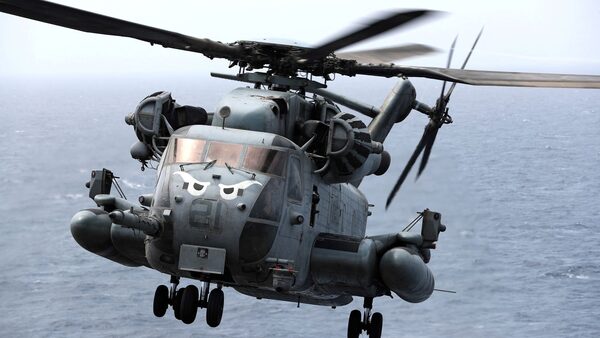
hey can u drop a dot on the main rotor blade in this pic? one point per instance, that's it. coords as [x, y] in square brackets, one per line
[483, 77]
[409, 164]
[387, 55]
[78, 19]
[372, 29]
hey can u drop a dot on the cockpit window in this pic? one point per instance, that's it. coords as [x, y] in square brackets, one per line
[265, 160]
[188, 150]
[224, 153]
[256, 159]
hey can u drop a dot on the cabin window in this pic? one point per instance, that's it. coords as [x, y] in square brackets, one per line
[265, 160]
[295, 180]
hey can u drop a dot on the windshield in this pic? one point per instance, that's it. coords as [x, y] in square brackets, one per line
[188, 150]
[224, 153]
[265, 160]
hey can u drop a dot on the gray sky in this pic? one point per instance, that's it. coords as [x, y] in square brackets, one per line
[550, 36]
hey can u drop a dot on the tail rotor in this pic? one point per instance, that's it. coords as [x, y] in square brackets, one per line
[438, 116]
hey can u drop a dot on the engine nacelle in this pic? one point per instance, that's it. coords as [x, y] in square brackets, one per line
[154, 120]
[93, 230]
[345, 148]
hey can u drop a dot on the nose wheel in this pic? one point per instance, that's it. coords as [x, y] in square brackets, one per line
[214, 308]
[372, 324]
[189, 304]
[186, 301]
[161, 301]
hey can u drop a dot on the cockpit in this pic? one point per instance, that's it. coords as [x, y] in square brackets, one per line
[226, 182]
[250, 158]
[219, 164]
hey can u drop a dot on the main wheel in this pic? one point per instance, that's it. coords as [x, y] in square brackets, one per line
[376, 325]
[161, 300]
[189, 304]
[177, 303]
[214, 308]
[354, 324]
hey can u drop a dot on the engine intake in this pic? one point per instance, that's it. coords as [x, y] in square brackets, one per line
[154, 120]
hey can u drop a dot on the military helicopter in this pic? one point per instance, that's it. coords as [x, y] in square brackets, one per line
[262, 195]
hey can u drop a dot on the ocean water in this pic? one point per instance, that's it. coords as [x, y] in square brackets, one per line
[515, 177]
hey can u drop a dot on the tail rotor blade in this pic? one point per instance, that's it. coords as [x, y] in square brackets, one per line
[434, 123]
[464, 63]
[428, 138]
[427, 150]
[409, 164]
[448, 66]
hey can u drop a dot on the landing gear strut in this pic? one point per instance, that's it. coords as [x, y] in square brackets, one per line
[187, 300]
[372, 324]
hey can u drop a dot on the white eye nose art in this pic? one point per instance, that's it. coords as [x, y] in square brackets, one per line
[192, 185]
[229, 192]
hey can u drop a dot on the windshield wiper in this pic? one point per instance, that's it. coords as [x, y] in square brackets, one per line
[230, 168]
[207, 164]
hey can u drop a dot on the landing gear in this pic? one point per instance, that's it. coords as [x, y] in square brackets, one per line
[375, 325]
[187, 300]
[214, 308]
[177, 303]
[372, 324]
[354, 324]
[161, 301]
[189, 304]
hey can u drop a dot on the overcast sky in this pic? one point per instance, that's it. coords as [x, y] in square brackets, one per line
[551, 36]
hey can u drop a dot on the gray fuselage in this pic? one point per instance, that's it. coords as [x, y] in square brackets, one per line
[263, 210]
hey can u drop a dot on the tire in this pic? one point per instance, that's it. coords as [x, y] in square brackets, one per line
[354, 324]
[177, 303]
[376, 325]
[214, 308]
[189, 304]
[161, 301]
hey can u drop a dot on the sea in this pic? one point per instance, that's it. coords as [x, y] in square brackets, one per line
[516, 178]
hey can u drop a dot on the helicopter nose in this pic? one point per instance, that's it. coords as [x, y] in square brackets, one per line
[214, 201]
[209, 211]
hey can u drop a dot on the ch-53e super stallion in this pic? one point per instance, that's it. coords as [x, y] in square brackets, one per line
[262, 195]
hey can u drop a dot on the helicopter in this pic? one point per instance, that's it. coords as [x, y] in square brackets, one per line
[262, 194]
